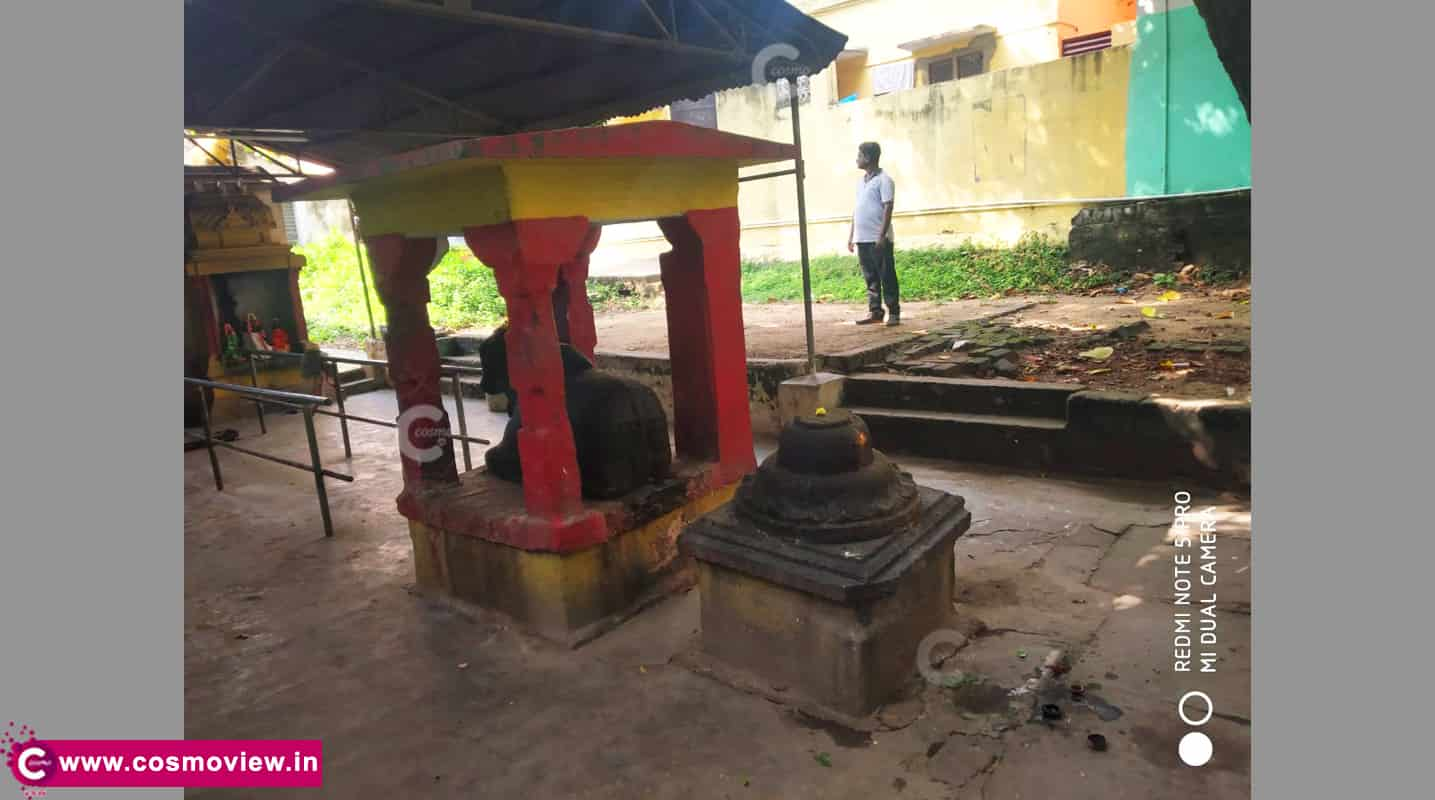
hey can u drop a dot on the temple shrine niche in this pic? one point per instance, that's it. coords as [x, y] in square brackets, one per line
[241, 287]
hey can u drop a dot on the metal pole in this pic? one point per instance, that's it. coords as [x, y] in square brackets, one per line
[802, 226]
[258, 404]
[209, 440]
[776, 174]
[363, 279]
[343, 420]
[318, 470]
[462, 422]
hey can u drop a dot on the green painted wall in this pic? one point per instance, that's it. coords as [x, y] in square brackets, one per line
[1186, 129]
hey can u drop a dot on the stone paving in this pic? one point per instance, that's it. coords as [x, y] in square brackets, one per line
[290, 635]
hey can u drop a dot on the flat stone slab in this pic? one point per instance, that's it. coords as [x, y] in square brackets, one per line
[1136, 644]
[1142, 564]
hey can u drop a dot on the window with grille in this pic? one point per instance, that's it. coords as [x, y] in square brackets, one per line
[955, 66]
[1090, 43]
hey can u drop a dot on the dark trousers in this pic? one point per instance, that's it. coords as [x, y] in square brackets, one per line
[880, 270]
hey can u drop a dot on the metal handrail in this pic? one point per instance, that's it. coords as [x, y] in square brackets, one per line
[306, 403]
[453, 371]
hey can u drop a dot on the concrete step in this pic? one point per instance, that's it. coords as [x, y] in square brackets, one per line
[969, 396]
[1021, 441]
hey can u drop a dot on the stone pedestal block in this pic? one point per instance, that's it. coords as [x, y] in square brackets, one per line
[801, 397]
[837, 625]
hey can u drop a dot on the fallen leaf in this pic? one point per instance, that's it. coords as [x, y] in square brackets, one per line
[824, 759]
[1149, 312]
[643, 669]
[1168, 364]
[1169, 295]
[1097, 353]
[1101, 371]
[1225, 315]
[1029, 379]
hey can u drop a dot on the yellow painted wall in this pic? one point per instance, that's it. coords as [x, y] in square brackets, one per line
[1046, 132]
[879, 26]
[658, 113]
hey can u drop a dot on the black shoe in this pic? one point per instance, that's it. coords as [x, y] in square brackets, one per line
[872, 320]
[894, 320]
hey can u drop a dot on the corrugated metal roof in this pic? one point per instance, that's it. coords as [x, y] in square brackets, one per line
[362, 79]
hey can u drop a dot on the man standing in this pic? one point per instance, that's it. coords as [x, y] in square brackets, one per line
[871, 231]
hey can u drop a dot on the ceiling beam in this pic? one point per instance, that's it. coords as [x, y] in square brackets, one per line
[475, 17]
[350, 63]
[346, 85]
[272, 159]
[225, 105]
[726, 34]
[657, 20]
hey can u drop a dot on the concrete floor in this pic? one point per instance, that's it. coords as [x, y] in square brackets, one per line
[290, 635]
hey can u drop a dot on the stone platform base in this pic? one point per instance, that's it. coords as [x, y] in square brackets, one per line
[847, 659]
[569, 597]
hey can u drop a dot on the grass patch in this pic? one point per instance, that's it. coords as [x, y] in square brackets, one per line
[464, 294]
[1035, 264]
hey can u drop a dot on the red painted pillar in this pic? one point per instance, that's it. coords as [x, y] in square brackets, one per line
[526, 256]
[694, 402]
[582, 331]
[400, 267]
[702, 282]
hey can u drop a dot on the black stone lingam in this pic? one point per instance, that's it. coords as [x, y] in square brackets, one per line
[825, 484]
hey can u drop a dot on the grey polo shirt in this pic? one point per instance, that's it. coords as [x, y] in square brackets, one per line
[872, 192]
